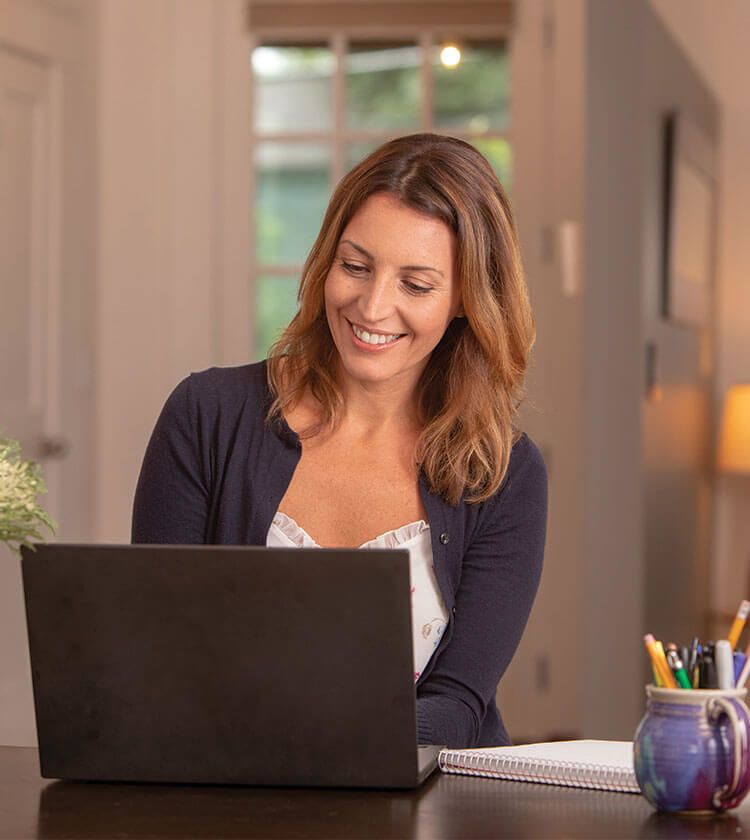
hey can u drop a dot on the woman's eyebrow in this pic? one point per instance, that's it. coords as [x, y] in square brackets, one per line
[369, 256]
[359, 248]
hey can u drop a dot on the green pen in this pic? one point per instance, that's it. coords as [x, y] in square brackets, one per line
[678, 669]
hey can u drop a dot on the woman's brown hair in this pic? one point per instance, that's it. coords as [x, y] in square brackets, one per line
[470, 390]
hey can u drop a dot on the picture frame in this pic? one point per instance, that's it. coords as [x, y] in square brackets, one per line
[689, 207]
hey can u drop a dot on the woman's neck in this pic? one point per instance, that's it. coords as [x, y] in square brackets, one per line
[372, 408]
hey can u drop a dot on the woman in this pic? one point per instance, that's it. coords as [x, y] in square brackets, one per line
[385, 416]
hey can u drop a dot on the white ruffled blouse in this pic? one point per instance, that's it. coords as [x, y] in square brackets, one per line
[428, 613]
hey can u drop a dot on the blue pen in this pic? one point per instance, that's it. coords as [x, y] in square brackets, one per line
[739, 664]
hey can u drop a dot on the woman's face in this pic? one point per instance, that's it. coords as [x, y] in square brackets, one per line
[391, 292]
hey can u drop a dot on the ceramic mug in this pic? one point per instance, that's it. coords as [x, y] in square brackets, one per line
[691, 750]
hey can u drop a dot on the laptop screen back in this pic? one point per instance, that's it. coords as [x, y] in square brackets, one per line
[227, 665]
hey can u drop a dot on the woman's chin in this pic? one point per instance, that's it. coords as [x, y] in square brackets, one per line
[376, 371]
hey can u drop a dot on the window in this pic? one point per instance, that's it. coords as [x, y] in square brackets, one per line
[322, 105]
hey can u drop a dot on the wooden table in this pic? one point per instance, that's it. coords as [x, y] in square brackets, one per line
[445, 807]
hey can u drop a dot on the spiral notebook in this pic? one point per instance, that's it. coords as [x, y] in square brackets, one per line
[601, 765]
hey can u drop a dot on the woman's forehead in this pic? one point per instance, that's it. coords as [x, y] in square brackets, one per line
[386, 228]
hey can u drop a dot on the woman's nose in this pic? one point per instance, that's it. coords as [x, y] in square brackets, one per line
[377, 299]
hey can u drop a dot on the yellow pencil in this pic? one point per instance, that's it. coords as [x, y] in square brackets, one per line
[654, 656]
[667, 675]
[738, 624]
[659, 661]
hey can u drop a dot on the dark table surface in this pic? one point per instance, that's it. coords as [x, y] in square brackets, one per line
[445, 807]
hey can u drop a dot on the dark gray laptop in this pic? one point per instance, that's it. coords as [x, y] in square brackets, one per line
[224, 665]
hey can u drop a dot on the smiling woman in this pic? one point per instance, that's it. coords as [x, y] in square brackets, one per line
[385, 416]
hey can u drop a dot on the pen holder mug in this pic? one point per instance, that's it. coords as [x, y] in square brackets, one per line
[691, 750]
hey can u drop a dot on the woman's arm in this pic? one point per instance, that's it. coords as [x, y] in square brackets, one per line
[172, 496]
[499, 579]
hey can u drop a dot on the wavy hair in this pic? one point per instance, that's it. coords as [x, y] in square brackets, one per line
[470, 390]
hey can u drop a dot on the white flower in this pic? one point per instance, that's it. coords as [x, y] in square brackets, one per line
[20, 484]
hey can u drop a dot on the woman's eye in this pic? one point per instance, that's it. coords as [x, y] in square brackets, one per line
[415, 288]
[353, 268]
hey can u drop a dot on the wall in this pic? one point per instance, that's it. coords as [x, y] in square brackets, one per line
[714, 37]
[613, 528]
[678, 426]
[591, 79]
[541, 694]
[58, 39]
[173, 255]
[576, 124]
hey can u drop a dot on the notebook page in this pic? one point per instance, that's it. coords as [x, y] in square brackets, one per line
[601, 765]
[600, 753]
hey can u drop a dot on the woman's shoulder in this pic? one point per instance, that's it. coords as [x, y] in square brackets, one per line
[526, 477]
[219, 392]
[225, 384]
[525, 480]
[526, 460]
[231, 379]
[521, 500]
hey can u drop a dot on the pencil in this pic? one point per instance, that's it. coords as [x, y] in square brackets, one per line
[659, 662]
[738, 624]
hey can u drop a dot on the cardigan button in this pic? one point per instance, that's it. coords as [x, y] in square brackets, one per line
[444, 538]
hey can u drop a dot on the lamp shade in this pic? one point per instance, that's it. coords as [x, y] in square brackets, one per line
[734, 440]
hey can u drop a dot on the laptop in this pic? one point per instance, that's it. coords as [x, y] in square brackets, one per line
[224, 665]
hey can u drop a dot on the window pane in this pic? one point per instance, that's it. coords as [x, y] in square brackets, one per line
[355, 152]
[382, 86]
[473, 95]
[275, 306]
[293, 88]
[293, 185]
[498, 152]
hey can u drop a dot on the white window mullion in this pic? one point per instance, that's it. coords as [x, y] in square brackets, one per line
[428, 86]
[252, 216]
[340, 46]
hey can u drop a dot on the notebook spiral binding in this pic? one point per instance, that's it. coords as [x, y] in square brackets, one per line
[550, 772]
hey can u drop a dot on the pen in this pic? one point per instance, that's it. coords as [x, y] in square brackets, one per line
[738, 660]
[743, 676]
[708, 667]
[658, 661]
[739, 622]
[724, 664]
[678, 669]
[692, 666]
[697, 669]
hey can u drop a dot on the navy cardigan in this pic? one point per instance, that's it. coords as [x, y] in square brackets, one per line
[215, 472]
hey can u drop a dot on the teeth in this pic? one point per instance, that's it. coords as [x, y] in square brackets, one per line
[369, 338]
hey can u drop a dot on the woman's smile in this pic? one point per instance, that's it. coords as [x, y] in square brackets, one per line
[373, 340]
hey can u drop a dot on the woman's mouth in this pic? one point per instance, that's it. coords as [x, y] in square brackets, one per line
[372, 340]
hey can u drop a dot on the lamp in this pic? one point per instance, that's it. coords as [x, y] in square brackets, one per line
[734, 439]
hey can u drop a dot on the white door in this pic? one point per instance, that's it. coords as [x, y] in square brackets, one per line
[27, 338]
[24, 263]
[48, 229]
[29, 331]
